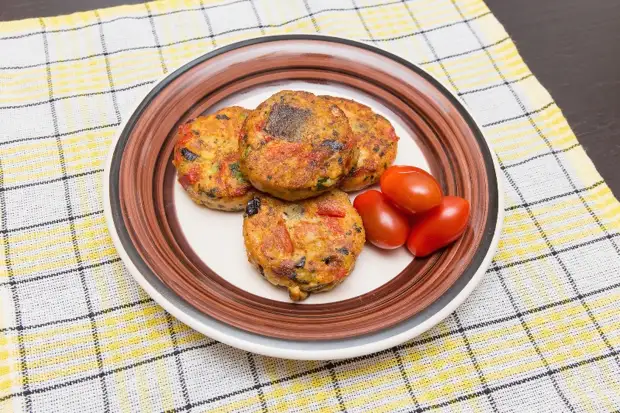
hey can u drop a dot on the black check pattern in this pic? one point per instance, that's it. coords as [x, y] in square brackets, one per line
[474, 361]
[156, 38]
[110, 299]
[568, 178]
[403, 373]
[208, 22]
[14, 294]
[532, 340]
[108, 69]
[76, 247]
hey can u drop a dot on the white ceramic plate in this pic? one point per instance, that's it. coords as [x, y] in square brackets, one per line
[224, 252]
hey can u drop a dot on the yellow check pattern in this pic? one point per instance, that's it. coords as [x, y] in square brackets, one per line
[541, 333]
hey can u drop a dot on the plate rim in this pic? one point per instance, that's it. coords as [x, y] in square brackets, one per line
[184, 314]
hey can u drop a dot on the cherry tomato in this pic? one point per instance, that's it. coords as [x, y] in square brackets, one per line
[439, 226]
[412, 189]
[385, 226]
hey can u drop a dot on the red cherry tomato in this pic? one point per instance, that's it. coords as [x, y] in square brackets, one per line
[412, 189]
[439, 227]
[385, 226]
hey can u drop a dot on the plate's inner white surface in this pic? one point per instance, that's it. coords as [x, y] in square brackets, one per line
[216, 237]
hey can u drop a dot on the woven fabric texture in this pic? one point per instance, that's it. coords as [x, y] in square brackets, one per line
[540, 334]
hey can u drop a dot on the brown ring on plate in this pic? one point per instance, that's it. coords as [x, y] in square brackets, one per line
[142, 179]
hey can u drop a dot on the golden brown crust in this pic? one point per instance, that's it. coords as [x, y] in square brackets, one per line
[296, 145]
[206, 156]
[306, 246]
[376, 141]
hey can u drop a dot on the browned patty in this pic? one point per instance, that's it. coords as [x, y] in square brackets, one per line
[376, 142]
[306, 246]
[296, 145]
[206, 157]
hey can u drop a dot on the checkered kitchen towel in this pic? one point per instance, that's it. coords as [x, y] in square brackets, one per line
[541, 333]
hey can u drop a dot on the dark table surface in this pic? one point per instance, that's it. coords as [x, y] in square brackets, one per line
[570, 45]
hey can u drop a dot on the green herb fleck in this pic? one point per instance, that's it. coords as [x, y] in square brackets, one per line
[214, 168]
[236, 172]
[322, 183]
[234, 168]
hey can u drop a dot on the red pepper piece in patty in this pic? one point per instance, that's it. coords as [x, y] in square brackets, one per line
[278, 240]
[184, 135]
[190, 178]
[330, 208]
[334, 225]
[283, 238]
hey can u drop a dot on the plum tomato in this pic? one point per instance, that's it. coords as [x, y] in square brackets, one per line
[439, 227]
[385, 226]
[412, 189]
